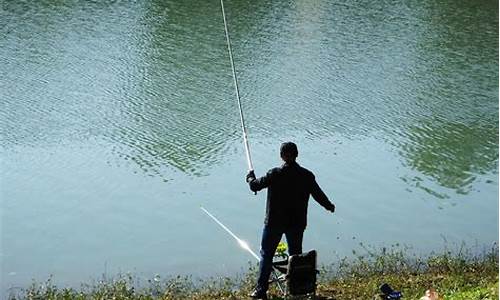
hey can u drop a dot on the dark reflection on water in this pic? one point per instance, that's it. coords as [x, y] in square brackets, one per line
[456, 136]
[180, 113]
[452, 153]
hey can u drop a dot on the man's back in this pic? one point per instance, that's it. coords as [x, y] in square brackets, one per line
[289, 187]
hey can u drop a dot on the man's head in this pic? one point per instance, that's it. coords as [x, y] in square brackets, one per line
[288, 152]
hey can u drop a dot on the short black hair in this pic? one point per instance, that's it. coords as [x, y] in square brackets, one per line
[289, 149]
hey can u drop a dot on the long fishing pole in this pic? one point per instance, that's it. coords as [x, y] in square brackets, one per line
[235, 79]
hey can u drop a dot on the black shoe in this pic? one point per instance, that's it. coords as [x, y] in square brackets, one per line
[258, 294]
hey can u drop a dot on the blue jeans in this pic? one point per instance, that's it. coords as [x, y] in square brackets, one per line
[270, 240]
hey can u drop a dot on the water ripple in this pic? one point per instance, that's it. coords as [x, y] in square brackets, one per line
[154, 79]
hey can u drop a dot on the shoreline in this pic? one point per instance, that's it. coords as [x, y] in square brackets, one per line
[455, 275]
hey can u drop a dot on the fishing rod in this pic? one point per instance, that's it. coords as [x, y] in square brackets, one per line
[235, 79]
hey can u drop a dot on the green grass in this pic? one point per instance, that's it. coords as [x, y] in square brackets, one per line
[488, 292]
[455, 275]
[452, 274]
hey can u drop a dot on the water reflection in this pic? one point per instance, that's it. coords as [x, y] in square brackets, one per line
[179, 111]
[453, 154]
[454, 136]
[63, 64]
[153, 78]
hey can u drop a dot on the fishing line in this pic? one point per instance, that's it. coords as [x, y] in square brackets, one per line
[243, 245]
[241, 242]
[235, 79]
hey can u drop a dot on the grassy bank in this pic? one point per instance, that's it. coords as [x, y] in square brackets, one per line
[455, 275]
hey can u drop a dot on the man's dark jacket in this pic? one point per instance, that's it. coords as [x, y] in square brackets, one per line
[289, 187]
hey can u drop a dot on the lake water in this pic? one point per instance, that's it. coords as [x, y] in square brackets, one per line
[119, 120]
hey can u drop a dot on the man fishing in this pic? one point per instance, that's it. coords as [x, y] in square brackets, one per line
[288, 190]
